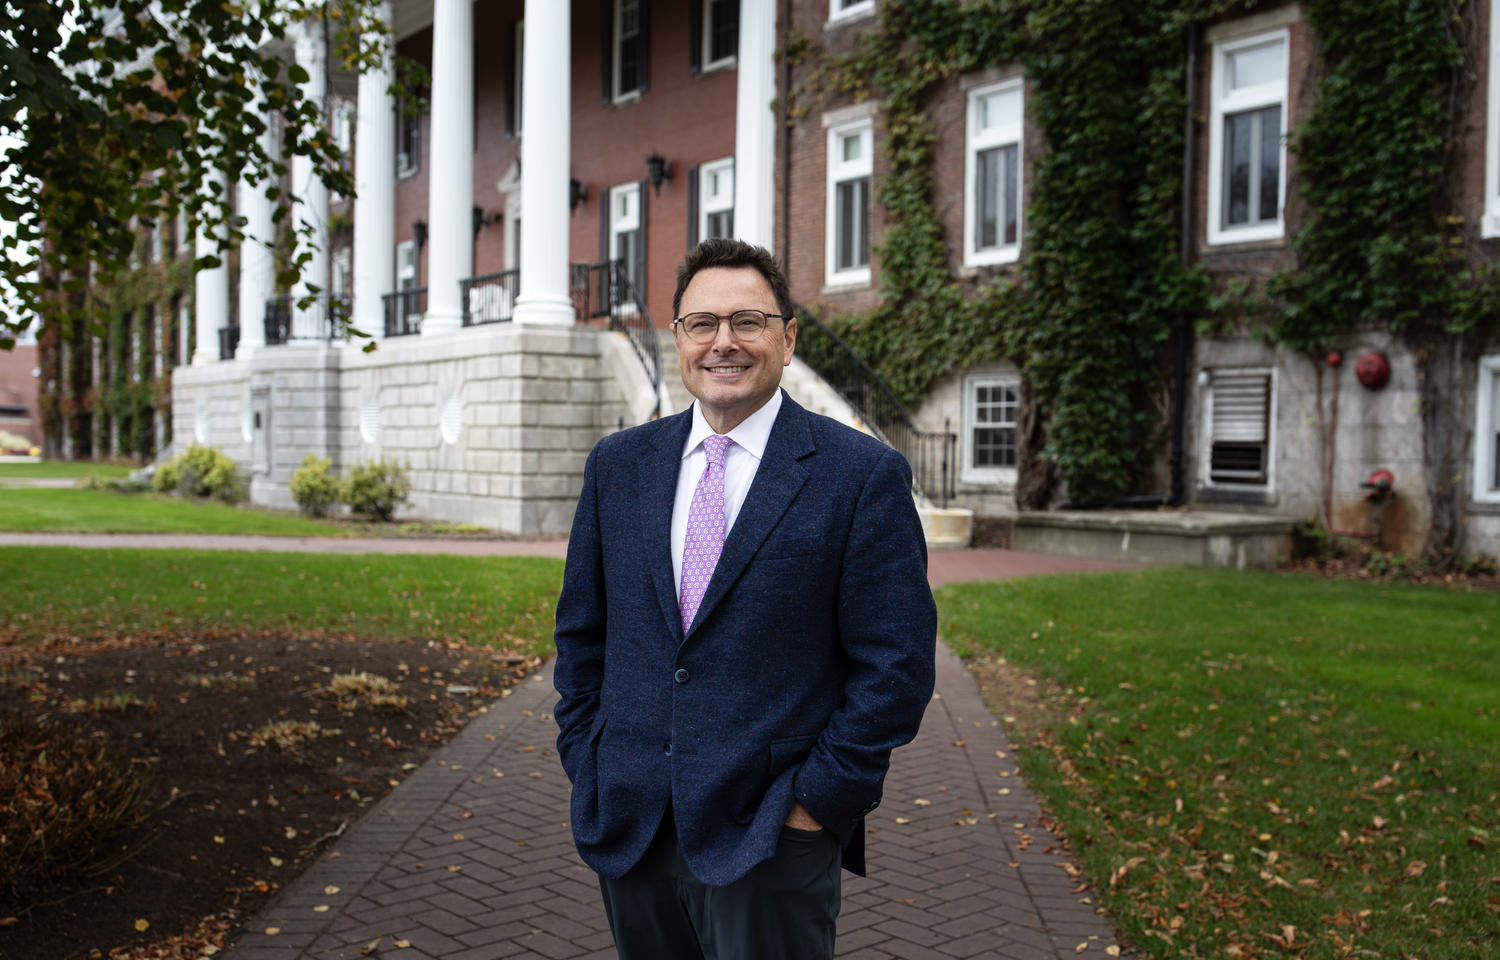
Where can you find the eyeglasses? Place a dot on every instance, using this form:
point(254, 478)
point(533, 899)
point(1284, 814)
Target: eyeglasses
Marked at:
point(744, 324)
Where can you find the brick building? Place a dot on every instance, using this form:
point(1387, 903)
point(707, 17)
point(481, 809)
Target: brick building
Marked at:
point(626, 130)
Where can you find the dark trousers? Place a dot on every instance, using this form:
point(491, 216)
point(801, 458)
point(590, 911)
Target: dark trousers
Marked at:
point(783, 909)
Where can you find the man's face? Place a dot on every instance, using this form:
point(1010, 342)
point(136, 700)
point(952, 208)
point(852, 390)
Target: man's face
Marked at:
point(732, 378)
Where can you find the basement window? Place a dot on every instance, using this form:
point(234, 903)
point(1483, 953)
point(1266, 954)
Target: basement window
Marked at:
point(1487, 432)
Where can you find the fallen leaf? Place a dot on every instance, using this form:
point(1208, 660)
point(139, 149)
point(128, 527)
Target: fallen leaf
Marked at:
point(218, 839)
point(403, 944)
point(959, 743)
point(455, 868)
point(330, 890)
point(9, 921)
point(291, 833)
point(142, 926)
point(1111, 951)
point(1080, 948)
point(903, 820)
point(922, 803)
point(272, 931)
point(369, 948)
point(276, 861)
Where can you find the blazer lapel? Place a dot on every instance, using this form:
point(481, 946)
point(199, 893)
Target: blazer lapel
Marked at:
point(777, 481)
point(658, 479)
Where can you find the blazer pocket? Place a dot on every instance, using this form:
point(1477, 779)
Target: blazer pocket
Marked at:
point(789, 751)
point(789, 547)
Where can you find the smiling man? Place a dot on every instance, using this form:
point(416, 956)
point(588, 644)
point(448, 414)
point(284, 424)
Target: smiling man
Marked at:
point(745, 632)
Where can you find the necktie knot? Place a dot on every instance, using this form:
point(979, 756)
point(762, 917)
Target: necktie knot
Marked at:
point(716, 447)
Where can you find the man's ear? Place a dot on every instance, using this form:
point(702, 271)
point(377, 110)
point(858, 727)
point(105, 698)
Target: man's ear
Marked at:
point(790, 336)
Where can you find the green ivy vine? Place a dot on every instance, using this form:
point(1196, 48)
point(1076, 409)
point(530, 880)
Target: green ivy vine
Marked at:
point(1102, 282)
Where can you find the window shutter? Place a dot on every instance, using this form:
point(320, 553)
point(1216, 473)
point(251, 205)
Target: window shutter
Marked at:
point(640, 250)
point(604, 201)
point(607, 30)
point(692, 184)
point(1241, 402)
point(695, 38)
point(645, 48)
point(511, 106)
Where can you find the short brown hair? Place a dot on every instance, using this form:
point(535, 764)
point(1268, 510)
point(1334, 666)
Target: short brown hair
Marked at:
point(723, 252)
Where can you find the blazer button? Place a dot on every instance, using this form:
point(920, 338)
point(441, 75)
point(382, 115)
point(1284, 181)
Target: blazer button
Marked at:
point(681, 676)
point(668, 750)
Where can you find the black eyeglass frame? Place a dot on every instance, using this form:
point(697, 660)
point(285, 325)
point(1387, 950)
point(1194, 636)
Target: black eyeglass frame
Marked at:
point(719, 319)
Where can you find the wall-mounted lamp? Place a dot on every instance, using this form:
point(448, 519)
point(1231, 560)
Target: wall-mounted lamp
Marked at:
point(658, 170)
point(577, 194)
point(479, 221)
point(419, 233)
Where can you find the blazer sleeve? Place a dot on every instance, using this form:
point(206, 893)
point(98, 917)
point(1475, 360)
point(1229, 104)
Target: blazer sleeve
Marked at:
point(887, 626)
point(578, 673)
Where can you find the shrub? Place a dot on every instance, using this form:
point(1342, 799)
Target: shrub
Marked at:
point(201, 472)
point(65, 799)
point(313, 487)
point(376, 489)
point(97, 481)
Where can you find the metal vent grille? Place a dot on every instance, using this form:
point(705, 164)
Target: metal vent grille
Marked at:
point(1241, 427)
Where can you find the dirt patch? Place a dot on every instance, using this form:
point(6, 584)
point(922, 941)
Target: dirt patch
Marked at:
point(993, 532)
point(255, 767)
point(1026, 705)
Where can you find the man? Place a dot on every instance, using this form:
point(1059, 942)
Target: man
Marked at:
point(745, 632)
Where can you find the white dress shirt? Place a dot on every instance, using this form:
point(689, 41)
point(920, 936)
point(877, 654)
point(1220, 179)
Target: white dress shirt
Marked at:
point(741, 461)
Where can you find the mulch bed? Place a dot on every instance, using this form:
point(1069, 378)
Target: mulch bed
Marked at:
point(230, 817)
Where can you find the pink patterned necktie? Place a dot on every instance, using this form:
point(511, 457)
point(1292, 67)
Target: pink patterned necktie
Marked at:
point(705, 530)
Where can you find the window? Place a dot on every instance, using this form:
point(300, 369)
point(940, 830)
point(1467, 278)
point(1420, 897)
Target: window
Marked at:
point(625, 51)
point(184, 332)
point(1247, 139)
point(850, 164)
point(184, 232)
point(992, 174)
point(716, 193)
point(406, 265)
point(341, 263)
point(842, 9)
point(991, 403)
point(716, 25)
point(1236, 443)
point(1487, 432)
point(408, 141)
point(343, 135)
point(625, 234)
point(1490, 224)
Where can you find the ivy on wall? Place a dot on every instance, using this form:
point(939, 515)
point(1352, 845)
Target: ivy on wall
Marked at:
point(1102, 282)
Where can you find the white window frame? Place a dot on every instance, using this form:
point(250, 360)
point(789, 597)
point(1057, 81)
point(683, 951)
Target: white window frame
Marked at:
point(709, 202)
point(1223, 104)
point(978, 139)
point(840, 172)
point(1489, 224)
point(839, 10)
point(407, 267)
point(625, 217)
point(1206, 379)
point(967, 471)
point(1485, 428)
point(706, 41)
point(617, 40)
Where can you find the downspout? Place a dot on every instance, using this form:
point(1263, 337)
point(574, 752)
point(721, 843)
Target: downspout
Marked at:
point(1184, 327)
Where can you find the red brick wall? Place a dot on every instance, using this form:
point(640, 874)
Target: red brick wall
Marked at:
point(18, 386)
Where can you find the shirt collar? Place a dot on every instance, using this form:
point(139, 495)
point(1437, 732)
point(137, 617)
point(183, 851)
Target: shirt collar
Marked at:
point(752, 434)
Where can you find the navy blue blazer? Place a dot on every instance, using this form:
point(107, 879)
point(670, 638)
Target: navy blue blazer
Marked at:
point(811, 657)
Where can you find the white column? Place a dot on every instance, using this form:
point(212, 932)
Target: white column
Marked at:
point(210, 292)
point(450, 197)
point(755, 124)
point(545, 151)
point(375, 192)
point(310, 194)
point(257, 261)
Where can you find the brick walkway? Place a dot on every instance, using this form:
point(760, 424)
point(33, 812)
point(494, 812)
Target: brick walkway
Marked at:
point(471, 857)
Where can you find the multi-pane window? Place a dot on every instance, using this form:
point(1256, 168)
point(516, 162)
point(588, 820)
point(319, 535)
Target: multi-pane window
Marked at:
point(716, 199)
point(628, 48)
point(1237, 418)
point(850, 166)
point(1487, 432)
point(992, 174)
point(991, 404)
point(1247, 155)
point(721, 32)
point(625, 231)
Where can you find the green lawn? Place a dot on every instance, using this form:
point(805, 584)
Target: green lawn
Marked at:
point(506, 602)
point(52, 469)
point(104, 511)
point(1239, 754)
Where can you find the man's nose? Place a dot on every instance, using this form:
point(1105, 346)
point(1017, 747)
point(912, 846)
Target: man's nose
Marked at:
point(724, 340)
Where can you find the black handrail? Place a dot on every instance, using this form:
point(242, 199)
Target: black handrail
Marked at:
point(931, 454)
point(605, 290)
point(403, 311)
point(324, 319)
point(490, 297)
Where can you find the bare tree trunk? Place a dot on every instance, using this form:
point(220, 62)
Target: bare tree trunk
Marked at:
point(1447, 384)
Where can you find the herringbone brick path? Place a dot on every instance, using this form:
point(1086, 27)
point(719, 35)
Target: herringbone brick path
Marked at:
point(471, 857)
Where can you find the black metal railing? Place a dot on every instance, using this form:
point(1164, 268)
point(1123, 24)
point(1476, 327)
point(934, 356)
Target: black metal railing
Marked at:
point(229, 341)
point(403, 311)
point(490, 298)
point(325, 318)
point(932, 454)
point(601, 290)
